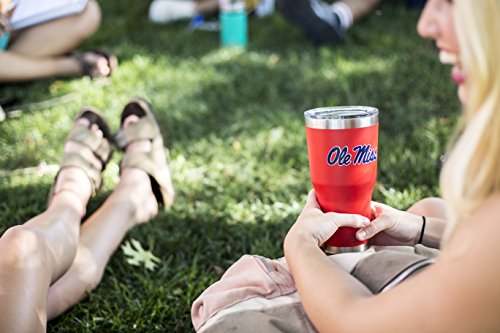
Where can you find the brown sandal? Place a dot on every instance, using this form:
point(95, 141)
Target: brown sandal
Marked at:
point(146, 128)
point(88, 68)
point(100, 146)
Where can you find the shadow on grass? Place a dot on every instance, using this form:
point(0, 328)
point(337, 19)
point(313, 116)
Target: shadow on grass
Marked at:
point(16, 211)
point(194, 254)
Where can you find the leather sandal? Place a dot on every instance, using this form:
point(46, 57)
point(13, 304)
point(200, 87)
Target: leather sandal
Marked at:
point(100, 146)
point(152, 161)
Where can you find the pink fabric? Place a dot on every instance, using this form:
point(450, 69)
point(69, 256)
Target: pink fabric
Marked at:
point(250, 276)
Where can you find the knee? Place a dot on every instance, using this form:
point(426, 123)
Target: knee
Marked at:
point(21, 248)
point(87, 269)
point(92, 278)
point(435, 207)
point(89, 20)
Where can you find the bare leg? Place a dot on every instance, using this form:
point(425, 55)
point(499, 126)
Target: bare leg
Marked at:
point(36, 52)
point(58, 37)
point(16, 67)
point(432, 207)
point(360, 8)
point(38, 252)
point(131, 203)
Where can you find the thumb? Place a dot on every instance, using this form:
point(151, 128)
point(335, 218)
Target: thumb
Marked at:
point(373, 228)
point(311, 201)
point(377, 208)
point(348, 220)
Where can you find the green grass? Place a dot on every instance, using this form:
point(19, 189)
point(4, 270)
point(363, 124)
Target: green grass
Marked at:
point(233, 121)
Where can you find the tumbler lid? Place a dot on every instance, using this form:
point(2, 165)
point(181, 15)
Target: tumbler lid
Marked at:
point(341, 117)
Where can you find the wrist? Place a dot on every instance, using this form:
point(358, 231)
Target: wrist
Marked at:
point(296, 241)
point(416, 230)
point(422, 230)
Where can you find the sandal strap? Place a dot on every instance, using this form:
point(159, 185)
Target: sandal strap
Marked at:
point(148, 162)
point(77, 160)
point(152, 161)
point(144, 129)
point(97, 144)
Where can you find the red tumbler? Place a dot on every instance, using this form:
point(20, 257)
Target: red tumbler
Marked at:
point(342, 143)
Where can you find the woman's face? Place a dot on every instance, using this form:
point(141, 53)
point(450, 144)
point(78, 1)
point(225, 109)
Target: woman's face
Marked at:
point(437, 23)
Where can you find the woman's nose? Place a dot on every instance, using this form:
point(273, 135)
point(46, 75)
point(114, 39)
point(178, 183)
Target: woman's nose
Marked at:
point(427, 26)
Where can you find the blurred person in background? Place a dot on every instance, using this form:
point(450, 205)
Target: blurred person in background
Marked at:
point(322, 23)
point(47, 49)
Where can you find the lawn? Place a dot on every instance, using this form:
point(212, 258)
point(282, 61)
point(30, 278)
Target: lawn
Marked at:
point(233, 123)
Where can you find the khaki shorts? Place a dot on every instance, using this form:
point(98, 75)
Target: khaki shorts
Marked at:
point(257, 294)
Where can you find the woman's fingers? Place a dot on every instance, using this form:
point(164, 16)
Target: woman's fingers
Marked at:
point(348, 220)
point(322, 225)
point(373, 228)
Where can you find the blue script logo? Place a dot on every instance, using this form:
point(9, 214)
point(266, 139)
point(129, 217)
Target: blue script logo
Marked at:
point(363, 154)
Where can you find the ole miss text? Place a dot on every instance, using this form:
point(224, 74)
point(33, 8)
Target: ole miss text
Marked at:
point(363, 154)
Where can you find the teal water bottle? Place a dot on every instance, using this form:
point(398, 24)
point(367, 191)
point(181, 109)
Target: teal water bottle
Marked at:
point(233, 23)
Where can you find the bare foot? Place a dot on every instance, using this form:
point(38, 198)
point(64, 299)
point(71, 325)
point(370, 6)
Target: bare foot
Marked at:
point(74, 181)
point(135, 185)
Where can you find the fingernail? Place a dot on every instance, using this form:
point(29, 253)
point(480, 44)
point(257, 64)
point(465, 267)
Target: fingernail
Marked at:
point(361, 235)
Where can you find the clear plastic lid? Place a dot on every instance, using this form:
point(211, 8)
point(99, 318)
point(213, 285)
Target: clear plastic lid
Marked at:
point(340, 117)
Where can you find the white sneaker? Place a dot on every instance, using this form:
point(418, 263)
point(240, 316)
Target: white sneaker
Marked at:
point(164, 11)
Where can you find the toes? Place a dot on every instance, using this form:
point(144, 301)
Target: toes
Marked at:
point(83, 121)
point(71, 146)
point(99, 64)
point(130, 119)
point(103, 67)
point(94, 128)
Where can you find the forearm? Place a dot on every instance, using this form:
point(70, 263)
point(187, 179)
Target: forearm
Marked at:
point(324, 288)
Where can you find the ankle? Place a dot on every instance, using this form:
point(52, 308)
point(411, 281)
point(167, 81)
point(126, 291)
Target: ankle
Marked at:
point(132, 207)
point(68, 200)
point(74, 181)
point(68, 66)
point(135, 196)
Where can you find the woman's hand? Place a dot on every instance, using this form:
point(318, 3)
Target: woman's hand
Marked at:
point(314, 226)
point(391, 227)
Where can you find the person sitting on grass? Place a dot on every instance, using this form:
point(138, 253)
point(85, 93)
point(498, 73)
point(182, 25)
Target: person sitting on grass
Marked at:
point(458, 292)
point(46, 50)
point(51, 262)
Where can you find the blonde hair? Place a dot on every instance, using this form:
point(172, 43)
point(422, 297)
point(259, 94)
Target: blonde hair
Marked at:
point(471, 173)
